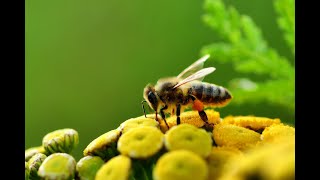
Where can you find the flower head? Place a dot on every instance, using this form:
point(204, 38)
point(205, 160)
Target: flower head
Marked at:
point(26, 169)
point(219, 158)
point(251, 122)
point(268, 161)
point(141, 142)
point(276, 132)
point(192, 117)
point(88, 166)
point(104, 145)
point(235, 136)
point(34, 164)
point(117, 168)
point(189, 137)
point(28, 153)
point(62, 140)
point(180, 164)
point(137, 122)
point(58, 166)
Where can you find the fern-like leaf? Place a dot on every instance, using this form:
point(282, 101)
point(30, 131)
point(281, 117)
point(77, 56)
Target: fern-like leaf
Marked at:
point(286, 11)
point(245, 47)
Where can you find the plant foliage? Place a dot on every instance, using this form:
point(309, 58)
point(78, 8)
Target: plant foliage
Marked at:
point(245, 47)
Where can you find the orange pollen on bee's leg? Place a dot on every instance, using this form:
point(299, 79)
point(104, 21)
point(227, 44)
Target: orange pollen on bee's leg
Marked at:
point(197, 105)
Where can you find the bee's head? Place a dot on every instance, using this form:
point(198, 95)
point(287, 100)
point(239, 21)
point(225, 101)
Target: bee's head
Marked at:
point(151, 96)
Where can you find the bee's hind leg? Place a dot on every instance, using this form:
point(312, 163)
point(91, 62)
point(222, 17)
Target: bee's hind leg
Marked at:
point(204, 117)
point(163, 116)
point(198, 105)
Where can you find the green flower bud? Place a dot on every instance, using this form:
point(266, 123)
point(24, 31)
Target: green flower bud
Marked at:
point(88, 166)
point(63, 140)
point(26, 169)
point(104, 146)
point(60, 166)
point(32, 151)
point(34, 164)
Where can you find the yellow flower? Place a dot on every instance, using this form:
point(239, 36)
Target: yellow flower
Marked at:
point(251, 122)
point(269, 161)
point(117, 168)
point(180, 165)
point(219, 159)
point(141, 142)
point(103, 146)
point(235, 136)
point(192, 117)
point(162, 125)
point(189, 137)
point(276, 132)
point(88, 166)
point(137, 122)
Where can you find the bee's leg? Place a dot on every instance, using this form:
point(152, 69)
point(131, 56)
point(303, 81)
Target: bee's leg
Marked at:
point(197, 105)
point(144, 111)
point(203, 116)
point(163, 115)
point(178, 113)
point(207, 126)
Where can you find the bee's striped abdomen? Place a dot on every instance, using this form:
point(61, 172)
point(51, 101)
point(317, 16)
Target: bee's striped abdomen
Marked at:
point(210, 93)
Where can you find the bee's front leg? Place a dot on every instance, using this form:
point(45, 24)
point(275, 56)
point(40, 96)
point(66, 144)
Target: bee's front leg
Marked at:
point(163, 116)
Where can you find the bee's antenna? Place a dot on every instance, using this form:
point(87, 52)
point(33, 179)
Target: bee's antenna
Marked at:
point(144, 111)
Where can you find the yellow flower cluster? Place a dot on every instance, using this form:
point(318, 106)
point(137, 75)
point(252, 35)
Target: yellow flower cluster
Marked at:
point(188, 151)
point(238, 147)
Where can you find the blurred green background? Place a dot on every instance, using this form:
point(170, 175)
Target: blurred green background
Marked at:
point(87, 62)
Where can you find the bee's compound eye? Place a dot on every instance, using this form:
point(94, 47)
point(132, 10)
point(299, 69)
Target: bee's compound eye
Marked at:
point(152, 98)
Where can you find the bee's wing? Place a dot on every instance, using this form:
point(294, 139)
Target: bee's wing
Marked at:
point(196, 66)
point(196, 76)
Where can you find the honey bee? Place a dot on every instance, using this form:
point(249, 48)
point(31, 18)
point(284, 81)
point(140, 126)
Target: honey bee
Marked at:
point(172, 95)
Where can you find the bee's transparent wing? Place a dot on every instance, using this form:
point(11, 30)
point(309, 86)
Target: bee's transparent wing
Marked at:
point(196, 76)
point(196, 66)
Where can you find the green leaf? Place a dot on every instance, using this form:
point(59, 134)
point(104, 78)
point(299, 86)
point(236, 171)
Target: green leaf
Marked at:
point(286, 20)
point(245, 47)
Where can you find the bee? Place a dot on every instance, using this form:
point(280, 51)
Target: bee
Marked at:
point(172, 95)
